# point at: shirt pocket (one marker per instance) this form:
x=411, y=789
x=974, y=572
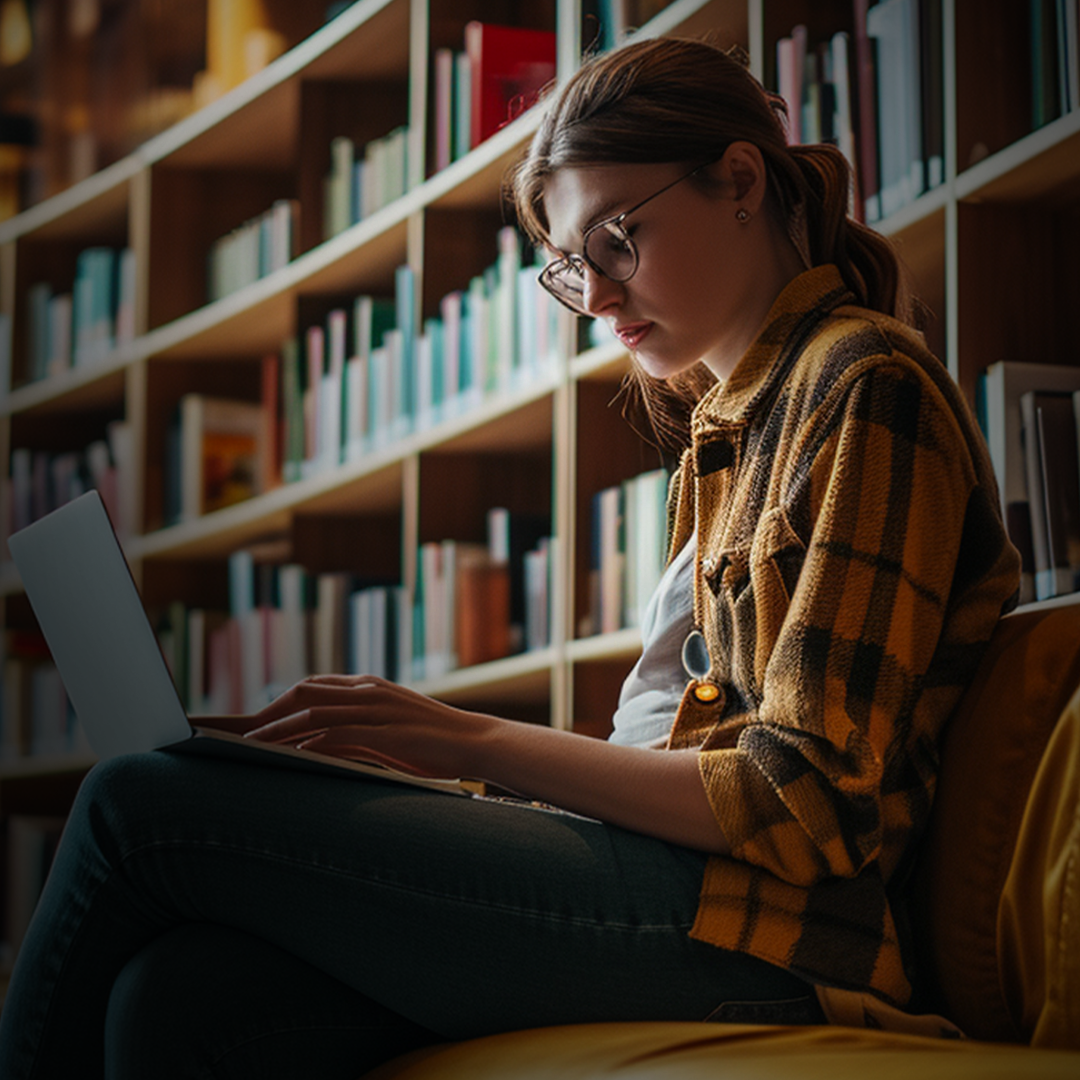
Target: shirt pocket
x=750, y=589
x=776, y=561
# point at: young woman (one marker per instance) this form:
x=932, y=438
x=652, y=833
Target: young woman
x=838, y=565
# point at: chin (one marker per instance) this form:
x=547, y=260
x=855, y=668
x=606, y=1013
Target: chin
x=661, y=367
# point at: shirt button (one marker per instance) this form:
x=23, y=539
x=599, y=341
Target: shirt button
x=710, y=694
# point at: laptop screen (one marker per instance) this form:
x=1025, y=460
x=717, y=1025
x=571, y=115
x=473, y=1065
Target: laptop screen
x=88, y=608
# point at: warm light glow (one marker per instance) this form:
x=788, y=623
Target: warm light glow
x=16, y=37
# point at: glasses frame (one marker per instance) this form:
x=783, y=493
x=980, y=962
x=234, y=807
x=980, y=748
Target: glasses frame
x=577, y=263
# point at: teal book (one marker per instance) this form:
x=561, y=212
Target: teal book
x=405, y=300
x=293, y=411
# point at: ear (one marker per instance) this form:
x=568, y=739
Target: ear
x=744, y=167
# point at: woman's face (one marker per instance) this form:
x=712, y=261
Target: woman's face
x=690, y=298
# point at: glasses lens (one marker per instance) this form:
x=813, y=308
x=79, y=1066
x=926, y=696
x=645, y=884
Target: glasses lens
x=609, y=248
x=565, y=281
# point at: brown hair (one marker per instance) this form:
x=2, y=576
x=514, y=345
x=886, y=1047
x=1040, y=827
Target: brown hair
x=682, y=100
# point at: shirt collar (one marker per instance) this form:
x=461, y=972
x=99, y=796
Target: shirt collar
x=801, y=305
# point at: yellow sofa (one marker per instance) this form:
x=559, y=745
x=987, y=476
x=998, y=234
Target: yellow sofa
x=996, y=910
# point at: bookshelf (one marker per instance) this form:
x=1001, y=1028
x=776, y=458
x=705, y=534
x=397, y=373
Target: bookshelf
x=992, y=249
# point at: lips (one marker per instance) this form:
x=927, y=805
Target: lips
x=632, y=334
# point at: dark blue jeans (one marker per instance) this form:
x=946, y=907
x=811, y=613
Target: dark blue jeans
x=208, y=918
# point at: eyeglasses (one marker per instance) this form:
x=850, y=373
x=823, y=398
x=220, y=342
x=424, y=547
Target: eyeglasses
x=606, y=248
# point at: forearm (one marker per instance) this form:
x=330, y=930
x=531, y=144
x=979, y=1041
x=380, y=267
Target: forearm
x=656, y=792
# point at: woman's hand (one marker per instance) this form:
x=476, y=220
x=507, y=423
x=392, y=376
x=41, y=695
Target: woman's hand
x=366, y=718
x=659, y=793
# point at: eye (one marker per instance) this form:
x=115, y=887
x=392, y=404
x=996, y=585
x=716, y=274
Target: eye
x=614, y=240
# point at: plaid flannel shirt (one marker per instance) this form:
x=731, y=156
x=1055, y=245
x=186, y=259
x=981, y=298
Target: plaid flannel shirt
x=851, y=567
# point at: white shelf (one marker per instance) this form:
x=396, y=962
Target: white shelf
x=615, y=646
x=520, y=677
x=370, y=40
x=1065, y=600
x=1032, y=169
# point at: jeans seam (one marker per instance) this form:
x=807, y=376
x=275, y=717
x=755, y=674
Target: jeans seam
x=399, y=887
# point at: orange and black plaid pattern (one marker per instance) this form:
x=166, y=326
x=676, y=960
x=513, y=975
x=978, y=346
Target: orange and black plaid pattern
x=851, y=566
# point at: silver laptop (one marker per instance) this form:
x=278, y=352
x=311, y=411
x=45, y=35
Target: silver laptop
x=82, y=592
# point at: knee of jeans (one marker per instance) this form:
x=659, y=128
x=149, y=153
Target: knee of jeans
x=119, y=794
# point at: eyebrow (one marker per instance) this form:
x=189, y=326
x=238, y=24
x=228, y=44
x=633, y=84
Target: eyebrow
x=599, y=213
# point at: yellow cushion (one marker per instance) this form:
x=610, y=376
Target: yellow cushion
x=1039, y=919
x=990, y=754
x=672, y=1051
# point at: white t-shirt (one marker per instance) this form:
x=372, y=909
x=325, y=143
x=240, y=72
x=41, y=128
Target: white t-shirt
x=652, y=691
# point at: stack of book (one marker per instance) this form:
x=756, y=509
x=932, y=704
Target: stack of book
x=1030, y=415
x=258, y=247
x=366, y=379
x=359, y=183
x=629, y=524
x=479, y=602
x=1055, y=59
x=215, y=456
x=496, y=76
x=283, y=624
x=41, y=482
x=878, y=94
x=82, y=326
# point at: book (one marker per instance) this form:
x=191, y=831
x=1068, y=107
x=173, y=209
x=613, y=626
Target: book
x=1000, y=388
x=254, y=249
x=790, y=65
x=292, y=407
x=338, y=211
x=894, y=26
x=865, y=80
x=5, y=353
x=1053, y=487
x=443, y=110
x=1045, y=79
x=483, y=610
x=932, y=69
x=462, y=141
x=510, y=537
x=537, y=574
x=222, y=453
x=270, y=384
x=509, y=66
x=1068, y=19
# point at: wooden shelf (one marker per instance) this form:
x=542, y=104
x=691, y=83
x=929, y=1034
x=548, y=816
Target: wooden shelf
x=524, y=677
x=257, y=123
x=1043, y=167
x=85, y=387
x=81, y=210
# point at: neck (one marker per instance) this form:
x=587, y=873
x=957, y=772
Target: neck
x=771, y=276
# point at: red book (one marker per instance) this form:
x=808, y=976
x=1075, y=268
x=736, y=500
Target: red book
x=510, y=66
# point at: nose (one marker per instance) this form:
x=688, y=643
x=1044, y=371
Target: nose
x=601, y=295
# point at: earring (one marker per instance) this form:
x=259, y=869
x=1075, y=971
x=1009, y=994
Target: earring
x=742, y=215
